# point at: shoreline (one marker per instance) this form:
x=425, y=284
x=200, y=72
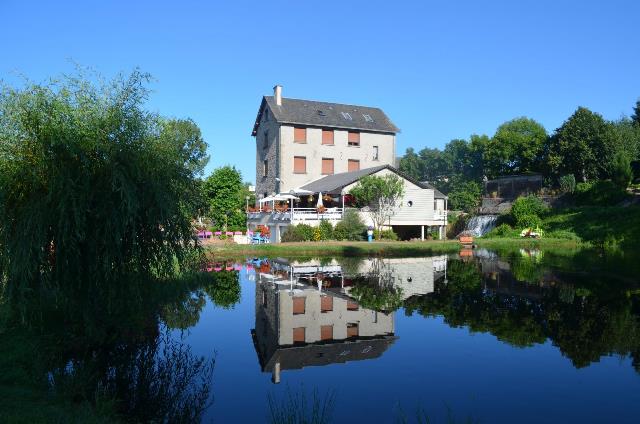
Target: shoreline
x=378, y=248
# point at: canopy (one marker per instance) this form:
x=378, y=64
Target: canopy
x=278, y=198
x=300, y=191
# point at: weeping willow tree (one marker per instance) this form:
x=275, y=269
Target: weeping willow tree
x=92, y=185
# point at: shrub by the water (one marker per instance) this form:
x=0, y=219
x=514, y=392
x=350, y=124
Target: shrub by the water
x=526, y=211
x=326, y=230
x=297, y=233
x=350, y=227
x=502, y=230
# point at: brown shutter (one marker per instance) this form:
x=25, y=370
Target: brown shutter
x=326, y=332
x=352, y=330
x=327, y=166
x=299, y=135
x=298, y=305
x=327, y=136
x=353, y=165
x=354, y=138
x=326, y=303
x=298, y=335
x=299, y=165
x=352, y=306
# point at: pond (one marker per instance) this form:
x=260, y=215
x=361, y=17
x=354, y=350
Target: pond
x=523, y=336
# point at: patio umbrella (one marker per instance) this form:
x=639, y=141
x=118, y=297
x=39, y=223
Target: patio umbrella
x=319, y=204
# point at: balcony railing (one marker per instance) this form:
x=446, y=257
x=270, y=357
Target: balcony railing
x=440, y=215
x=299, y=214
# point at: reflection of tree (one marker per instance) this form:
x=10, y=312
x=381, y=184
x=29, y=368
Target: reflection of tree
x=376, y=290
x=107, y=346
x=584, y=323
x=224, y=291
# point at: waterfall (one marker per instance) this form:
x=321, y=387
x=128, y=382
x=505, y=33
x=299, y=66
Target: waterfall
x=479, y=225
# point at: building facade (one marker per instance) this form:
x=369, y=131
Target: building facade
x=299, y=141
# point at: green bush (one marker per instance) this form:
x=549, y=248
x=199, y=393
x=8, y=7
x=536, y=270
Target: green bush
x=502, y=230
x=296, y=233
x=621, y=174
x=388, y=235
x=563, y=235
x=526, y=211
x=567, y=183
x=465, y=196
x=350, y=228
x=326, y=230
x=529, y=221
x=598, y=193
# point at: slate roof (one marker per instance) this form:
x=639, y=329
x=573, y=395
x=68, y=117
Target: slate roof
x=323, y=353
x=328, y=115
x=336, y=182
x=436, y=193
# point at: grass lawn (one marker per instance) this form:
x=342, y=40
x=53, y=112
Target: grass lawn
x=382, y=248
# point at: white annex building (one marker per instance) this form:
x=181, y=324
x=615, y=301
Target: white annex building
x=310, y=154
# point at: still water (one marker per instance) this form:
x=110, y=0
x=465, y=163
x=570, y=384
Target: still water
x=521, y=336
x=524, y=337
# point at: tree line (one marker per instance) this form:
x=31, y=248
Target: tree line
x=586, y=147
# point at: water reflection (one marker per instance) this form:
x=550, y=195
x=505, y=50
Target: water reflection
x=313, y=313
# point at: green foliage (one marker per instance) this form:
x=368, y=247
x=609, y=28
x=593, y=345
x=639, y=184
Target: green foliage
x=326, y=230
x=621, y=173
x=465, y=196
x=516, y=147
x=297, y=233
x=225, y=289
x=598, y=193
x=225, y=191
x=636, y=113
x=386, y=235
x=502, y=230
x=526, y=211
x=377, y=297
x=351, y=227
x=567, y=183
x=92, y=184
x=584, y=146
x=379, y=196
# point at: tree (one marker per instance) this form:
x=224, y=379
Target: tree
x=515, y=148
x=411, y=164
x=621, y=173
x=91, y=184
x=584, y=146
x=378, y=196
x=187, y=141
x=225, y=193
x=465, y=196
x=636, y=113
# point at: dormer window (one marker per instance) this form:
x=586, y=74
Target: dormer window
x=346, y=115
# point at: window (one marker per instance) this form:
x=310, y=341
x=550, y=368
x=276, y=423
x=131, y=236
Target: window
x=353, y=165
x=326, y=304
x=265, y=167
x=298, y=335
x=299, y=305
x=299, y=135
x=352, y=329
x=266, y=115
x=410, y=203
x=265, y=146
x=346, y=116
x=326, y=332
x=367, y=118
x=327, y=137
x=352, y=306
x=327, y=166
x=354, y=138
x=375, y=152
x=299, y=165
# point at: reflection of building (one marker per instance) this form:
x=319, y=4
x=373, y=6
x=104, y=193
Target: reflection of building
x=305, y=317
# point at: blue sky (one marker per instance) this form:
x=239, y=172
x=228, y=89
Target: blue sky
x=441, y=70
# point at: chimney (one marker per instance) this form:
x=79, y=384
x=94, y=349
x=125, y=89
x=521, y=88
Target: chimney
x=277, y=94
